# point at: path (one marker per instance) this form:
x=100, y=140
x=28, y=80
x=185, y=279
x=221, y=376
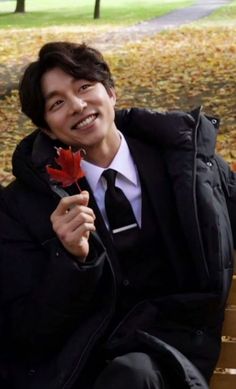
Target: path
x=201, y=9
x=115, y=39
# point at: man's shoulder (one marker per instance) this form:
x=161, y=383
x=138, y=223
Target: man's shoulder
x=127, y=116
x=162, y=128
x=167, y=129
x=11, y=195
x=18, y=198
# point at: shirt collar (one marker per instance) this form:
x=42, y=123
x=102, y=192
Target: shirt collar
x=122, y=163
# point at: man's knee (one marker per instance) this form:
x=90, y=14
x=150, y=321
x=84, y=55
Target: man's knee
x=133, y=370
x=136, y=366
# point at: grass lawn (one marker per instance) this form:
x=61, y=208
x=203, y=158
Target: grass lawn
x=223, y=16
x=46, y=13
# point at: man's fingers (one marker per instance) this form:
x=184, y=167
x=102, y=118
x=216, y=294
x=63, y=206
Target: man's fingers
x=72, y=222
x=77, y=210
x=68, y=202
x=64, y=225
x=85, y=198
x=69, y=207
x=78, y=220
x=74, y=237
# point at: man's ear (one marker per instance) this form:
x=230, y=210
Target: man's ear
x=112, y=95
x=48, y=133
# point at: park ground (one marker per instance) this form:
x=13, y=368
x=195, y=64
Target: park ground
x=179, y=68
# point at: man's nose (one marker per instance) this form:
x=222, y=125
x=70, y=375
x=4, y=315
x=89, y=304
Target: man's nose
x=77, y=105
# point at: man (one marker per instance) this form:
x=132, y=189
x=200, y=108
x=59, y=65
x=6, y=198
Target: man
x=93, y=296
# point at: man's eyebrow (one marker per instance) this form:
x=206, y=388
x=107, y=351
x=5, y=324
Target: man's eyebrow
x=51, y=95
x=54, y=93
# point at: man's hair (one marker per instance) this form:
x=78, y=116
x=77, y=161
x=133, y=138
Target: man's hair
x=78, y=60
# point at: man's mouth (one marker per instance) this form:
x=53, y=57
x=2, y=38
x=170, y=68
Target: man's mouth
x=84, y=122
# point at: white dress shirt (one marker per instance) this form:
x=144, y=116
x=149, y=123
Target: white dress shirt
x=127, y=179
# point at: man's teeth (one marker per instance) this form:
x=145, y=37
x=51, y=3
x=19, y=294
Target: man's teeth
x=86, y=121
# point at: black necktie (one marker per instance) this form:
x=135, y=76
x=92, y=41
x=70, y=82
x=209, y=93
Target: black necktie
x=122, y=221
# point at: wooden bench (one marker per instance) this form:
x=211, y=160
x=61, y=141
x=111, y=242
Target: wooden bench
x=224, y=376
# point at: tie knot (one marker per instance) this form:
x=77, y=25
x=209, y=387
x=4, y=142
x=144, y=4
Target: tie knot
x=110, y=176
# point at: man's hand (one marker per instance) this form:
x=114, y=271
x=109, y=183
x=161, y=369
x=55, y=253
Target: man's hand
x=72, y=222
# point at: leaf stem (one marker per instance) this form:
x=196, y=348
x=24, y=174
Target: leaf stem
x=76, y=183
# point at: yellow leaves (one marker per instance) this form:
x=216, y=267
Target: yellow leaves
x=182, y=69
x=187, y=63
x=23, y=45
x=226, y=145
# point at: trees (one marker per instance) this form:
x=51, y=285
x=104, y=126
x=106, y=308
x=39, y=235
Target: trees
x=96, y=14
x=20, y=6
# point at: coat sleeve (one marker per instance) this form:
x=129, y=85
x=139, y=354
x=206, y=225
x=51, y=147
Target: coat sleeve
x=44, y=293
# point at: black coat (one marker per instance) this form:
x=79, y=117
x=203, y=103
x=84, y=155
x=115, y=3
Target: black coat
x=55, y=313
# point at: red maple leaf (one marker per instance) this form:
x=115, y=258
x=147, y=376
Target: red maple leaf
x=70, y=171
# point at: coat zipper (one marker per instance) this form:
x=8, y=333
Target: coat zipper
x=194, y=193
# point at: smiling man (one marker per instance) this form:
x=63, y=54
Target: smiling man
x=121, y=285
x=81, y=113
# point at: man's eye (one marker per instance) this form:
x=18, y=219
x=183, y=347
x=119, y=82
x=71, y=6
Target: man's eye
x=85, y=86
x=56, y=104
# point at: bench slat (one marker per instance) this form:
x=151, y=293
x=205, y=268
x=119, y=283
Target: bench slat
x=223, y=381
x=232, y=295
x=228, y=355
x=227, y=358
x=229, y=327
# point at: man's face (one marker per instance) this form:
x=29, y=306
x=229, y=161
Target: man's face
x=78, y=112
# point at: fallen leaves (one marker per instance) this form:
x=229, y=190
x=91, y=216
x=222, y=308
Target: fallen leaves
x=182, y=69
x=176, y=69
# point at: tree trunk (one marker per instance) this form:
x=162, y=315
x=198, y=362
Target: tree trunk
x=20, y=6
x=97, y=9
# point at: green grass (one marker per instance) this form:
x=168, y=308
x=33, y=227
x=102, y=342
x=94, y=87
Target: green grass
x=228, y=12
x=223, y=16
x=45, y=13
